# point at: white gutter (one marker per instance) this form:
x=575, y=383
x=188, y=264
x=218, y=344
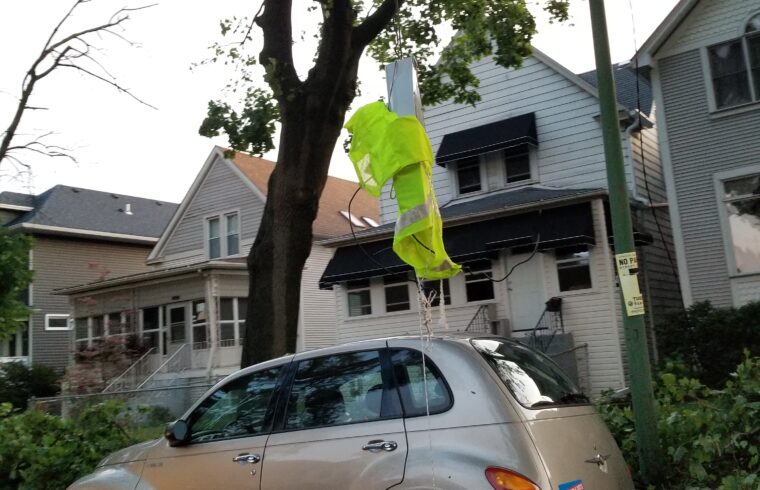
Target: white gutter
x=88, y=233
x=16, y=207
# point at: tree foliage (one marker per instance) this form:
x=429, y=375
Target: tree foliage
x=19, y=382
x=711, y=437
x=15, y=277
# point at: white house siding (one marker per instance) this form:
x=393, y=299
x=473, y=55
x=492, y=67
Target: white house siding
x=570, y=151
x=701, y=145
x=222, y=191
x=591, y=315
x=711, y=21
x=66, y=262
x=317, y=306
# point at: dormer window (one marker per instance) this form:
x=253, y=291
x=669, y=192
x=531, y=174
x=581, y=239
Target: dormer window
x=223, y=235
x=517, y=167
x=468, y=175
x=735, y=68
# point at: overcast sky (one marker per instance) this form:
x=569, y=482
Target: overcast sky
x=127, y=148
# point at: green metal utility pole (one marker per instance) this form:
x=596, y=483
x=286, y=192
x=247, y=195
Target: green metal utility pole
x=625, y=257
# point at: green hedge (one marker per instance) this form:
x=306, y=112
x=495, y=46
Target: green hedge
x=710, y=437
x=39, y=451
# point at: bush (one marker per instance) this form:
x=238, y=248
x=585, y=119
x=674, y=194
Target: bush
x=19, y=382
x=38, y=450
x=710, y=438
x=709, y=341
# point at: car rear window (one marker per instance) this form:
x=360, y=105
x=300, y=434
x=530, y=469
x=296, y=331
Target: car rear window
x=533, y=379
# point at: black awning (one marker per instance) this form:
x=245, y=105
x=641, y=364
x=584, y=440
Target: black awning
x=514, y=132
x=553, y=228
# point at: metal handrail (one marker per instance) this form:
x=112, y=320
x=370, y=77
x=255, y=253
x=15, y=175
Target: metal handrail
x=132, y=366
x=161, y=366
x=481, y=312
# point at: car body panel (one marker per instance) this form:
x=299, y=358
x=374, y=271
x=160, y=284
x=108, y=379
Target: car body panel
x=204, y=465
x=312, y=457
x=121, y=476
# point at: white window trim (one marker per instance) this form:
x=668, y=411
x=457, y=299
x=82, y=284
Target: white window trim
x=483, y=178
x=222, y=217
x=58, y=316
x=707, y=74
x=718, y=179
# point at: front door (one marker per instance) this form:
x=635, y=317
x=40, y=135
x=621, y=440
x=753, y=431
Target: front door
x=228, y=432
x=526, y=290
x=342, y=428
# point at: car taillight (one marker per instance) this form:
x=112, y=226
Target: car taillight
x=501, y=479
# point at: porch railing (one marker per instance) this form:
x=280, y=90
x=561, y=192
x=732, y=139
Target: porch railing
x=133, y=375
x=480, y=322
x=549, y=324
x=176, y=363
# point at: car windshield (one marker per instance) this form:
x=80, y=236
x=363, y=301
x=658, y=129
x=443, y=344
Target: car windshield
x=534, y=379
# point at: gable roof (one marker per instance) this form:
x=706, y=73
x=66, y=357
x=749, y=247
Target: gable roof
x=255, y=173
x=625, y=86
x=646, y=52
x=16, y=201
x=335, y=196
x=65, y=210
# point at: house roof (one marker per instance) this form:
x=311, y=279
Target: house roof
x=485, y=207
x=335, y=196
x=74, y=211
x=15, y=200
x=625, y=86
x=655, y=41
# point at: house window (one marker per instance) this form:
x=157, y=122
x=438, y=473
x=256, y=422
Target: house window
x=151, y=326
x=57, y=322
x=200, y=332
x=231, y=320
x=735, y=68
x=82, y=332
x=396, y=293
x=223, y=235
x=468, y=175
x=573, y=270
x=428, y=287
x=517, y=167
x=478, y=284
x=359, y=301
x=214, y=239
x=741, y=198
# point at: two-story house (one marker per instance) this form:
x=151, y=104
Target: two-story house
x=705, y=69
x=189, y=309
x=80, y=236
x=520, y=179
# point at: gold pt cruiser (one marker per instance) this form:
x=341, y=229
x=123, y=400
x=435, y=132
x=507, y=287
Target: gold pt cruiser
x=447, y=412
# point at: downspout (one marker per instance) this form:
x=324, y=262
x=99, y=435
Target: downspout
x=636, y=125
x=212, y=321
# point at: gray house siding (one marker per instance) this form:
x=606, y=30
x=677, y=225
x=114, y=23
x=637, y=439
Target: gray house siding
x=223, y=190
x=67, y=262
x=702, y=144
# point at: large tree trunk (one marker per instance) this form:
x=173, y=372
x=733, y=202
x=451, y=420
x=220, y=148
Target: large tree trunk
x=312, y=114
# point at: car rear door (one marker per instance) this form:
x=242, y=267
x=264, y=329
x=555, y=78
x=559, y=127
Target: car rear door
x=340, y=425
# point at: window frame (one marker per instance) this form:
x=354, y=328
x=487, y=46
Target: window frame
x=58, y=316
x=719, y=179
x=531, y=170
x=746, y=61
x=560, y=262
x=481, y=175
x=224, y=235
x=358, y=289
x=398, y=284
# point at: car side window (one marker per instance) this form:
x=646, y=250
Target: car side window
x=339, y=389
x=408, y=369
x=238, y=409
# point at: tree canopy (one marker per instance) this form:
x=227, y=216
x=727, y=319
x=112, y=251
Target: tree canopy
x=15, y=277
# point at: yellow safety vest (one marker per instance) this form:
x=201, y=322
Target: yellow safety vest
x=385, y=145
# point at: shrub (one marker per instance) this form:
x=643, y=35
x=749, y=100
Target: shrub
x=19, y=382
x=38, y=450
x=709, y=341
x=710, y=438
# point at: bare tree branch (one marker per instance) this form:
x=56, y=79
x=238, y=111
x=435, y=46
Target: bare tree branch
x=67, y=52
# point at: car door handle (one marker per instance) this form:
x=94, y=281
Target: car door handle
x=380, y=445
x=246, y=458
